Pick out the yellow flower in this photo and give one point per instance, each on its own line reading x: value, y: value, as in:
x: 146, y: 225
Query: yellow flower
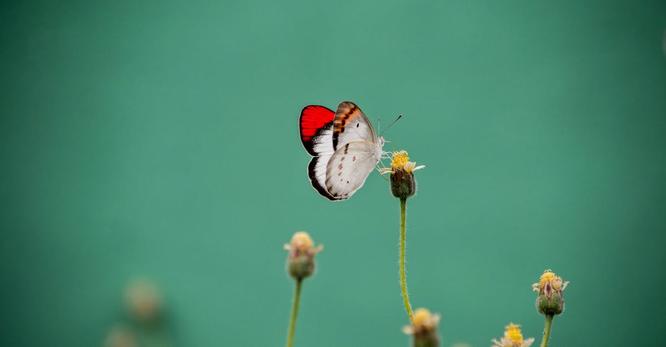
x: 513, y: 337
x: 548, y: 282
x: 513, y: 333
x: 403, y: 184
x: 400, y: 161
x: 301, y: 241
x: 423, y: 328
x: 400, y: 158
x: 424, y: 320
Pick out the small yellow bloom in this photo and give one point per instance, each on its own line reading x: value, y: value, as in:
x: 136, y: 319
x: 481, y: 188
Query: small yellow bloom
x: 547, y: 276
x: 549, y: 281
x: 423, y: 320
x: 513, y: 333
x: 423, y: 328
x: 400, y: 161
x: 301, y: 241
x: 513, y: 337
x: 403, y: 184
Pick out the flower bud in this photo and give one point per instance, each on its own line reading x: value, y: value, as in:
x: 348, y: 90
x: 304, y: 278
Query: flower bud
x: 300, y: 261
x: 423, y: 329
x: 403, y: 184
x: 143, y: 301
x: 550, y: 288
x: 513, y: 337
x: 120, y: 337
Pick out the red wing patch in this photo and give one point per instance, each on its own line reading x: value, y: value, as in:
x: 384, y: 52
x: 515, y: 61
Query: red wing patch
x: 314, y: 118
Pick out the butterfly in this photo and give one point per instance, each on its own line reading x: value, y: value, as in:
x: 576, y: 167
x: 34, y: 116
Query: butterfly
x: 344, y: 147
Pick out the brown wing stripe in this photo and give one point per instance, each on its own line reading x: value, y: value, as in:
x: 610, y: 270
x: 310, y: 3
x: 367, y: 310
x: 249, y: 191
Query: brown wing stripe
x: 347, y: 111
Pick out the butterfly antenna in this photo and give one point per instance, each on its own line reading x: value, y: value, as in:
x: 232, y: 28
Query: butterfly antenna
x: 392, y: 123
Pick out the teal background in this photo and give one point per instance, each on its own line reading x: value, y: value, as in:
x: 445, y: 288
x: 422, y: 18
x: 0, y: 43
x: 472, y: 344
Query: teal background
x: 159, y: 139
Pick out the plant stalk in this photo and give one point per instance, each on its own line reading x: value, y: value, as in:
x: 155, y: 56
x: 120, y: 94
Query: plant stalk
x: 294, y: 313
x: 403, y: 247
x: 546, y: 330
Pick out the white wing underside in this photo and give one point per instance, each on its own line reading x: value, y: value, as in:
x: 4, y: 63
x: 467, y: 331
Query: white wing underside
x: 351, y: 124
x: 349, y: 167
x: 323, y: 146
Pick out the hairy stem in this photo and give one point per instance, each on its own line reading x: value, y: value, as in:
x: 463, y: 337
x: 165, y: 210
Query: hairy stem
x: 294, y: 313
x: 546, y: 330
x: 403, y: 247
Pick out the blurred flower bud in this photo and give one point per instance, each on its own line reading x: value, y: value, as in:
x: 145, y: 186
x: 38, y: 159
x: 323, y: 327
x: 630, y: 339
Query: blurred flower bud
x: 143, y: 300
x: 120, y: 337
x: 300, y: 261
x: 550, y: 288
x: 423, y: 329
x: 403, y: 184
x: 513, y: 337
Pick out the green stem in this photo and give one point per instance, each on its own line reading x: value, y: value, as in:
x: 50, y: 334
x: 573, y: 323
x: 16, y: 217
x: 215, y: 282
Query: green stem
x: 546, y: 330
x: 294, y: 313
x: 403, y: 246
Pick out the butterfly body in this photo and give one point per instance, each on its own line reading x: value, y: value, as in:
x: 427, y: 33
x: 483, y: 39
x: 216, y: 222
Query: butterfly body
x: 344, y: 146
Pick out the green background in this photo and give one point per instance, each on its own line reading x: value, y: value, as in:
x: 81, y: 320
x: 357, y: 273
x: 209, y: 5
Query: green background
x: 159, y: 139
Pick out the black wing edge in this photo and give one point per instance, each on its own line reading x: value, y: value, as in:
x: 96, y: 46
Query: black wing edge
x: 313, y: 180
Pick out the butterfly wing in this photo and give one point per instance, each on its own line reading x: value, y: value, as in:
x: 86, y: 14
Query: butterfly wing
x: 316, y: 130
x: 314, y: 124
x: 344, y: 147
x: 351, y: 124
x: 348, y: 168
